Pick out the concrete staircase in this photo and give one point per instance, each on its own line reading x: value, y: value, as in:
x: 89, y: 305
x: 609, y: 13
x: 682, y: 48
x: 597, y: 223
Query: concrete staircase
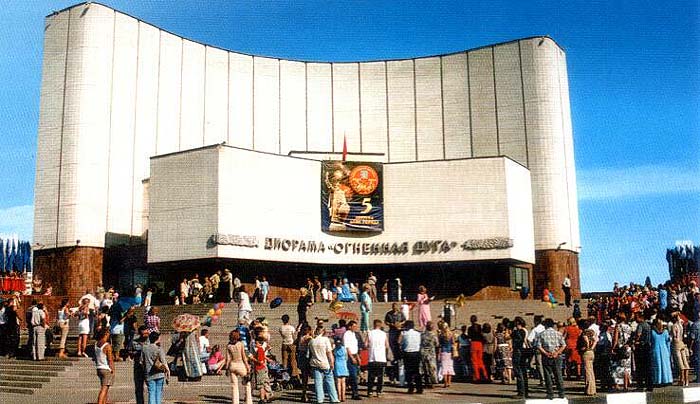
x: 486, y: 311
x: 25, y: 376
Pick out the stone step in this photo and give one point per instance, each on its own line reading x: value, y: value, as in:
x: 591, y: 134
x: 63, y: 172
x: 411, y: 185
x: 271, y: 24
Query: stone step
x: 13, y: 372
x: 21, y: 384
x: 25, y: 378
x: 36, y: 367
x: 16, y: 390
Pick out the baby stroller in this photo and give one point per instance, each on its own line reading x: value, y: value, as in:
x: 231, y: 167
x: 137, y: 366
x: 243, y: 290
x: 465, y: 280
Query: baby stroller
x: 279, y: 376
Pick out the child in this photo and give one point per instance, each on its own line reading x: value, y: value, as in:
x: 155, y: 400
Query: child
x: 259, y: 359
x: 340, y: 371
x: 216, y: 361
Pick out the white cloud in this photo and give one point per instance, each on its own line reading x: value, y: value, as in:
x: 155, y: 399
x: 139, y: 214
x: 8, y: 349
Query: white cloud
x: 17, y: 220
x: 622, y: 183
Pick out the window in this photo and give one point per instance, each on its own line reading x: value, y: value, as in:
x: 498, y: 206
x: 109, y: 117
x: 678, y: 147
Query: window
x: 519, y: 278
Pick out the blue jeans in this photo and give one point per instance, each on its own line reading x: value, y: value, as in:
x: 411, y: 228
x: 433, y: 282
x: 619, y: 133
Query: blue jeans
x: 323, y: 380
x: 354, y: 371
x: 155, y: 390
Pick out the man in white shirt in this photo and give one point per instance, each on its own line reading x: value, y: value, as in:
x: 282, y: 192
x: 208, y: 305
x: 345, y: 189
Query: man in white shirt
x: 410, y: 345
x: 352, y: 346
x: 378, y: 347
x: 288, y: 332
x: 39, y: 331
x: 531, y: 339
x: 321, y: 362
x: 566, y: 286
x: 204, y: 345
x: 244, y: 307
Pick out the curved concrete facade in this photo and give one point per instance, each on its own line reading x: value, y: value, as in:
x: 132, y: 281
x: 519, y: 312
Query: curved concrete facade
x: 117, y: 91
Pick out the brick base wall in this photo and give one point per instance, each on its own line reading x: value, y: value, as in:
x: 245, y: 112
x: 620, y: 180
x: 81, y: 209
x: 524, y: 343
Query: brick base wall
x: 551, y: 268
x: 70, y: 270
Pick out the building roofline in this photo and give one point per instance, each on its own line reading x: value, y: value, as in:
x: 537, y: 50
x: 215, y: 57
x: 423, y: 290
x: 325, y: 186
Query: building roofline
x: 315, y: 61
x: 218, y: 145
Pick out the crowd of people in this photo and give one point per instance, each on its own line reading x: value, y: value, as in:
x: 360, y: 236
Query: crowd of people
x: 637, y: 336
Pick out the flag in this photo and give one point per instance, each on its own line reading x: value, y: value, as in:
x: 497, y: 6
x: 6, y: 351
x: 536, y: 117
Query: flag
x: 345, y: 148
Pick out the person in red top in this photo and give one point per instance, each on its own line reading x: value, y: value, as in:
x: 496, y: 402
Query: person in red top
x: 259, y: 359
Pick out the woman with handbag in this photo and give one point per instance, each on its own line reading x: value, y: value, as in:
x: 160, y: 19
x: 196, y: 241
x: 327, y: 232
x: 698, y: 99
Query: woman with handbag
x: 155, y: 368
x: 62, y: 325
x: 237, y: 366
x: 446, y: 339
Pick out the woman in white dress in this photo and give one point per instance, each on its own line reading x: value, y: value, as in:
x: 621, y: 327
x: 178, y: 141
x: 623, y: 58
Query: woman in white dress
x: 83, y: 315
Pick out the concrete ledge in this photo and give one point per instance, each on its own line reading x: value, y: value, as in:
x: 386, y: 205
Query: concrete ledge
x: 691, y: 395
x: 545, y: 401
x: 627, y: 398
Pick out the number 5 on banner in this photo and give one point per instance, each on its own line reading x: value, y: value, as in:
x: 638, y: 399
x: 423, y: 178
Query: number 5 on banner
x: 367, y: 205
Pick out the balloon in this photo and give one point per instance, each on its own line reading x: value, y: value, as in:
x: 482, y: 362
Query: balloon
x: 218, y: 312
x: 215, y: 319
x: 221, y: 305
x: 211, y: 312
x: 216, y: 306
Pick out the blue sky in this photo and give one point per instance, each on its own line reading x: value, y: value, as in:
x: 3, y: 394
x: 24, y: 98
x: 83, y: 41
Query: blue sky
x: 634, y: 76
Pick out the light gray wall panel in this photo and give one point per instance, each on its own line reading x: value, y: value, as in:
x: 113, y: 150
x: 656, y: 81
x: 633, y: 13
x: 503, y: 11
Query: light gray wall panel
x: 192, y: 109
x: 266, y: 106
x: 569, y: 154
x: 292, y: 106
x: 240, y: 101
x: 216, y: 96
x: 68, y: 190
x: 318, y: 81
x: 169, y: 93
x: 429, y: 109
x: 456, y: 106
x: 374, y: 114
x: 121, y: 147
x: 545, y: 143
x: 402, y: 134
x: 146, y: 124
x: 48, y: 155
x: 511, y: 119
x: 346, y: 106
x: 483, y: 103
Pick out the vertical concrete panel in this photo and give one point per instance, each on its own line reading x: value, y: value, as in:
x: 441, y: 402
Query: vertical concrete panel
x: 216, y: 96
x: 192, y: 109
x: 266, y: 132
x: 346, y: 106
x: 121, y: 147
x: 292, y: 106
x: 511, y: 118
x: 429, y: 109
x: 68, y: 199
x: 402, y: 129
x: 483, y: 103
x: 146, y: 124
x: 169, y: 93
x: 569, y: 154
x: 318, y: 93
x: 545, y: 143
x: 48, y: 155
x: 240, y: 102
x: 92, y: 127
x: 455, y: 90
x: 373, y: 93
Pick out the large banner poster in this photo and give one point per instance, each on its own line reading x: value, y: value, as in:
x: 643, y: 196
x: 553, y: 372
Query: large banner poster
x: 351, y: 196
